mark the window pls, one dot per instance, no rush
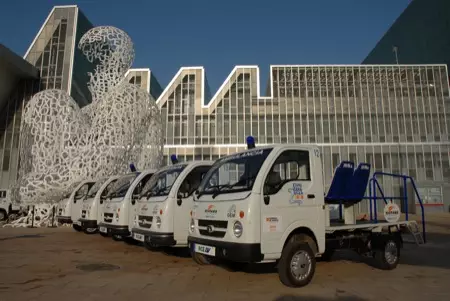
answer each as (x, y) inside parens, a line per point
(193, 180)
(141, 184)
(290, 165)
(83, 191)
(108, 188)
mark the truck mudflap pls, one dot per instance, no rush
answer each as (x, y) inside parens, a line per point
(158, 239)
(237, 252)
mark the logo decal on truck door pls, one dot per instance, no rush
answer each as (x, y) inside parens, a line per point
(272, 224)
(296, 194)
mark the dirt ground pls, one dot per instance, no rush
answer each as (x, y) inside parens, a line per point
(61, 264)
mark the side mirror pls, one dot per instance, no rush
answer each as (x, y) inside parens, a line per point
(179, 202)
(266, 199)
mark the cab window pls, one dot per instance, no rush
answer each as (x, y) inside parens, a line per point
(290, 165)
(193, 180)
(83, 191)
(138, 189)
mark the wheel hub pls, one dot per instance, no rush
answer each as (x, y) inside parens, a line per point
(390, 252)
(301, 265)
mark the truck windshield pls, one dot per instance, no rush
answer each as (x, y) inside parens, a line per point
(162, 181)
(234, 173)
(95, 188)
(71, 189)
(120, 187)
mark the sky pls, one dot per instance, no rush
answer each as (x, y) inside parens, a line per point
(219, 35)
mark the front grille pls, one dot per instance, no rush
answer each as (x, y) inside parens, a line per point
(219, 228)
(83, 213)
(108, 217)
(145, 221)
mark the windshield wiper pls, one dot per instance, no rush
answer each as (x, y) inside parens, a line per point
(219, 189)
(161, 190)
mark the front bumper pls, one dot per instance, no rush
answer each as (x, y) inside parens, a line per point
(156, 238)
(87, 223)
(64, 219)
(239, 252)
(116, 229)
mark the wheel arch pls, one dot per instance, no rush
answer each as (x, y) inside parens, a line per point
(306, 234)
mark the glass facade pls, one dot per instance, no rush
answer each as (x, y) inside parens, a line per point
(61, 66)
(394, 117)
(420, 35)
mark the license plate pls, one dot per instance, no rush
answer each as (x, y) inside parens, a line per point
(103, 230)
(138, 236)
(207, 250)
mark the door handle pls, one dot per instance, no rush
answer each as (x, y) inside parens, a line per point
(311, 196)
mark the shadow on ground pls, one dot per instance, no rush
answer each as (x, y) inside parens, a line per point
(22, 236)
(312, 298)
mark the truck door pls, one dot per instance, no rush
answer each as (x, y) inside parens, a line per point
(184, 202)
(288, 196)
(135, 197)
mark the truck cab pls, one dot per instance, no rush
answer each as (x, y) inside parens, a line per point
(162, 217)
(95, 197)
(76, 193)
(7, 207)
(250, 202)
(120, 206)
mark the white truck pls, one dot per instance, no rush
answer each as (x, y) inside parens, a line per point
(162, 217)
(90, 211)
(120, 207)
(7, 207)
(268, 204)
(71, 202)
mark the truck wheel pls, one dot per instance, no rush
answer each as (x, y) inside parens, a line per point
(90, 230)
(388, 257)
(77, 228)
(117, 237)
(3, 215)
(297, 264)
(200, 258)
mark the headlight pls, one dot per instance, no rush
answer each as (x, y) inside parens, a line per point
(192, 226)
(158, 221)
(237, 229)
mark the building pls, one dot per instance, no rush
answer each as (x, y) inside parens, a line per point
(146, 80)
(420, 35)
(395, 117)
(52, 61)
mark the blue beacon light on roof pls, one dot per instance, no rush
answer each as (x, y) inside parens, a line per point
(250, 142)
(174, 159)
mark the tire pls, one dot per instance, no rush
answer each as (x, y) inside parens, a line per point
(117, 237)
(388, 257)
(299, 253)
(77, 228)
(200, 258)
(150, 247)
(90, 230)
(3, 215)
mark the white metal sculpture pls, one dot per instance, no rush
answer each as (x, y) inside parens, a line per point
(62, 144)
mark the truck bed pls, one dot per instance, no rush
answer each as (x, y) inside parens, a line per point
(362, 225)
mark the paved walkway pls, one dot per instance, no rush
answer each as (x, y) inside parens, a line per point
(61, 264)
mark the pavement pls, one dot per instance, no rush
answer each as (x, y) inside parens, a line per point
(61, 264)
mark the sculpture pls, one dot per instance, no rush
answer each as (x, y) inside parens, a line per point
(62, 144)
